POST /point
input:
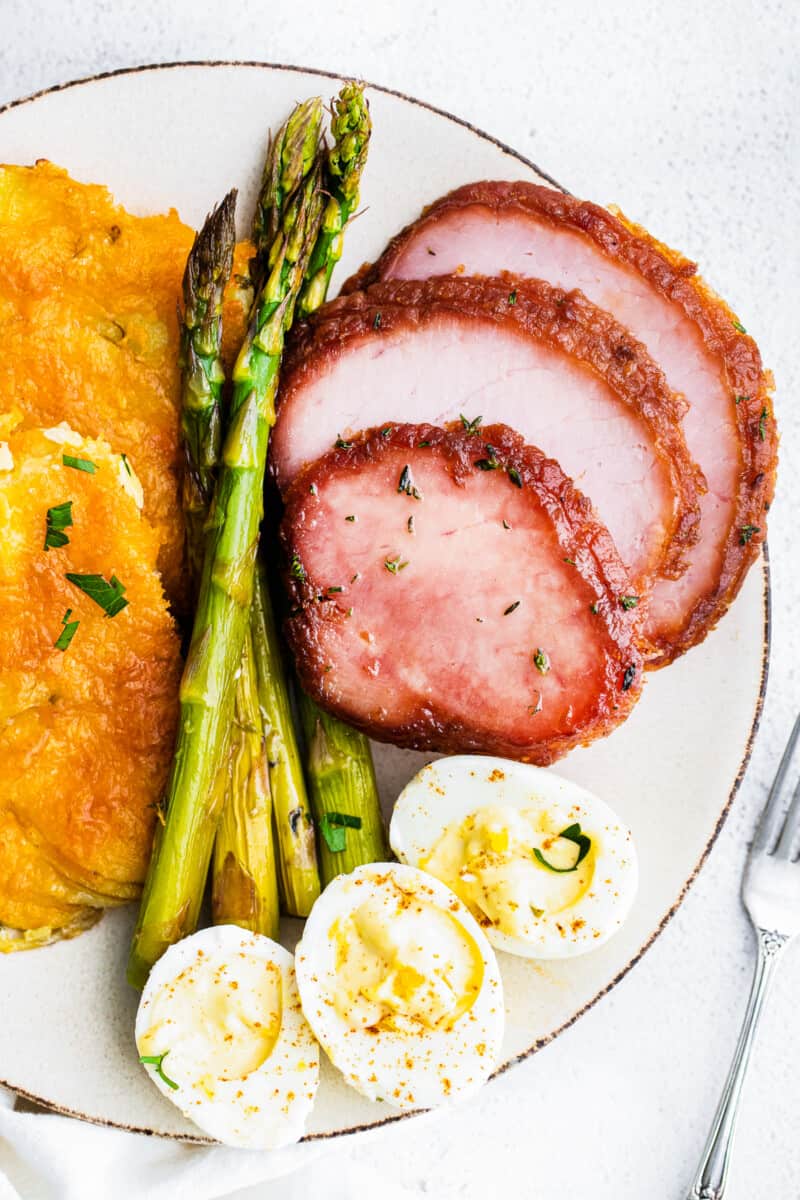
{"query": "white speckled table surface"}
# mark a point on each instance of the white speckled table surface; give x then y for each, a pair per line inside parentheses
(686, 116)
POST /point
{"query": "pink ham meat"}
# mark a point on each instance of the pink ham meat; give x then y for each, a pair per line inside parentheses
(485, 228)
(444, 606)
(566, 376)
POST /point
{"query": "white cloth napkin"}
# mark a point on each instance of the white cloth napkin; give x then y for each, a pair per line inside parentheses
(49, 1157)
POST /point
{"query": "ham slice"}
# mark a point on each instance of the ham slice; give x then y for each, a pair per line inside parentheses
(443, 604)
(485, 228)
(566, 376)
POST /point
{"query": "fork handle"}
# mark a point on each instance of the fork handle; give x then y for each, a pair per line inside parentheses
(712, 1174)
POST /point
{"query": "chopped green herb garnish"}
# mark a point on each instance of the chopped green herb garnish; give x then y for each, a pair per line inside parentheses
(515, 477)
(738, 326)
(349, 612)
(335, 589)
(79, 464)
(746, 532)
(511, 607)
(126, 464)
(406, 484)
(512, 297)
(59, 518)
(106, 595)
(541, 661)
(156, 1060)
(739, 399)
(571, 561)
(355, 577)
(595, 607)
(387, 429)
(422, 444)
(410, 524)
(341, 444)
(762, 424)
(489, 463)
(628, 677)
(67, 633)
(313, 489)
(376, 324)
(473, 426)
(333, 826)
(506, 524)
(533, 709)
(628, 602)
(394, 565)
(297, 570)
(571, 834)
(350, 518)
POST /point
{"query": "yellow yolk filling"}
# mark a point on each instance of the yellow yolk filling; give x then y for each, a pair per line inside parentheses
(488, 860)
(218, 1020)
(403, 963)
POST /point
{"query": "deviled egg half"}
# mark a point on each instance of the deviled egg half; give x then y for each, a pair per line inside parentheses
(221, 1033)
(547, 869)
(401, 987)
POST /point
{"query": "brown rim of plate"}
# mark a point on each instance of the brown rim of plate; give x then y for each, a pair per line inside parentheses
(766, 600)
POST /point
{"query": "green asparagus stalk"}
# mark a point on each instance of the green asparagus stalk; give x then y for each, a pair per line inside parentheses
(208, 270)
(339, 767)
(351, 128)
(296, 146)
(244, 879)
(179, 864)
(296, 854)
(344, 793)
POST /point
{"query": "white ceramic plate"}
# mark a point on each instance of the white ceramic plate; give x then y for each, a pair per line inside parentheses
(182, 135)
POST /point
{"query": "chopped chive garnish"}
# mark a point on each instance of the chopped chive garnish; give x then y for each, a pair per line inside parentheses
(341, 444)
(541, 661)
(739, 399)
(335, 589)
(762, 424)
(571, 834)
(514, 476)
(351, 518)
(126, 464)
(422, 444)
(79, 464)
(511, 607)
(471, 426)
(387, 429)
(106, 595)
(59, 518)
(628, 677)
(333, 826)
(297, 570)
(410, 524)
(393, 565)
(406, 484)
(376, 324)
(628, 602)
(313, 489)
(67, 633)
(739, 327)
(512, 297)
(595, 607)
(156, 1060)
(506, 524)
(746, 532)
(571, 561)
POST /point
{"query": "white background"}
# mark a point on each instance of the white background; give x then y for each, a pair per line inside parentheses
(686, 115)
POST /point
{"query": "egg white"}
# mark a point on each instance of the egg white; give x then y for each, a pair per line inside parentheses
(264, 1108)
(417, 1066)
(447, 791)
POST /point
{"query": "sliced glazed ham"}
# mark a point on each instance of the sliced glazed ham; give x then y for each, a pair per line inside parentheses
(547, 363)
(485, 228)
(443, 604)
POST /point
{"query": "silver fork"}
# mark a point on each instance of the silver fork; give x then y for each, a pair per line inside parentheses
(771, 895)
